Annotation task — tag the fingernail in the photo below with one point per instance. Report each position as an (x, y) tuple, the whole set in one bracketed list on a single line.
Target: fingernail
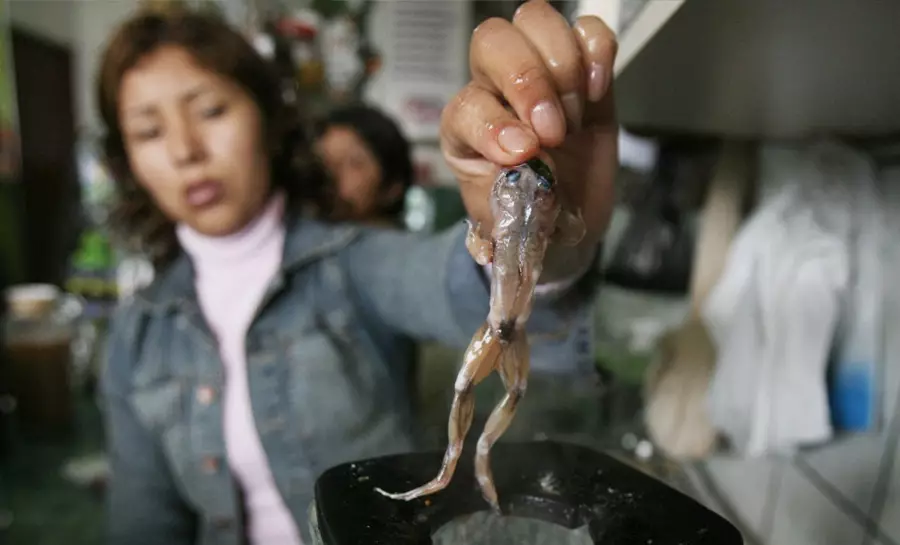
[(596, 82), (514, 140), (548, 121), (572, 105)]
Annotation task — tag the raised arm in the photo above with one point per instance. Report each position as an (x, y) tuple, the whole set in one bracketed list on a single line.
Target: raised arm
[(539, 86), (429, 287)]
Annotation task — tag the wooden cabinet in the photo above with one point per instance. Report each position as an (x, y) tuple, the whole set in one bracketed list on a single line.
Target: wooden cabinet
[(49, 187)]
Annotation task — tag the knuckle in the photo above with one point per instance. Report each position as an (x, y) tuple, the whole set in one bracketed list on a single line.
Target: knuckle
[(528, 80), (523, 11), (595, 30), (453, 105), (536, 9), (445, 144), (467, 95), (591, 21), (613, 46), (568, 73), (448, 115), (483, 31), (468, 117), (458, 103)]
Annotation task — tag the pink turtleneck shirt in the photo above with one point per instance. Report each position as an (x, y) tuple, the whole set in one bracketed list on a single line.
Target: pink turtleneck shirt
[(232, 274)]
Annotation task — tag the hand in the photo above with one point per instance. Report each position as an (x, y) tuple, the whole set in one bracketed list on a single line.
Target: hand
[(539, 86)]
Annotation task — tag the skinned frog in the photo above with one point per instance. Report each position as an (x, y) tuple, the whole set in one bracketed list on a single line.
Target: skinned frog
[(527, 217)]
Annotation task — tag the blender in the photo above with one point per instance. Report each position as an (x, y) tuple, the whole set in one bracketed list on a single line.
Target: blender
[(571, 486)]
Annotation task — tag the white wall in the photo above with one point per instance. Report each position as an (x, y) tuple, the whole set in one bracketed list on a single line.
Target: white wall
[(378, 92), (83, 25), (86, 25), (95, 20), (50, 19)]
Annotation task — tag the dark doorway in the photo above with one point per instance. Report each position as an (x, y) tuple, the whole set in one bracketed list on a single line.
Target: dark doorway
[(43, 74)]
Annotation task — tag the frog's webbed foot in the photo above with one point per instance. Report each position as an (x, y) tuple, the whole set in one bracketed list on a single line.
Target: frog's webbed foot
[(480, 359), (513, 367), (570, 228), (481, 249)]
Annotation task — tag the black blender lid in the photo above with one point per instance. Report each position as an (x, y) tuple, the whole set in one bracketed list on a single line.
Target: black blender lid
[(565, 484)]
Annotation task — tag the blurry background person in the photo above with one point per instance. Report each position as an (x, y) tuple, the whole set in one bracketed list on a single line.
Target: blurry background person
[(370, 165), (369, 162)]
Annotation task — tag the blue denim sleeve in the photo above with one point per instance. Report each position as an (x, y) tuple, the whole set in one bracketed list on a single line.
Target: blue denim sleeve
[(430, 288), (143, 505)]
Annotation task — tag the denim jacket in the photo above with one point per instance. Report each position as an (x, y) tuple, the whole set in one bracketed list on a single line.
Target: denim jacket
[(321, 355)]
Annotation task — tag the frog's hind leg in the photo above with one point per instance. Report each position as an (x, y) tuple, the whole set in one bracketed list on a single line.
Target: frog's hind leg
[(480, 360), (513, 367)]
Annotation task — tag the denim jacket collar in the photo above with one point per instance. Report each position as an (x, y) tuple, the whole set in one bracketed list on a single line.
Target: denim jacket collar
[(305, 241)]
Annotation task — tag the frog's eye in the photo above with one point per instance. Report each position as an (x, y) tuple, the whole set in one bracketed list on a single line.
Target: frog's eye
[(512, 177), (544, 183), (542, 170)]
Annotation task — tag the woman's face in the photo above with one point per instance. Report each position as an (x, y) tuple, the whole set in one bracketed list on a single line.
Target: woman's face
[(355, 171), (195, 142)]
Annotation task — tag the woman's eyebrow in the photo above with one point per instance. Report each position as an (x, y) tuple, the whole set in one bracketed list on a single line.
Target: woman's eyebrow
[(143, 110), (196, 92)]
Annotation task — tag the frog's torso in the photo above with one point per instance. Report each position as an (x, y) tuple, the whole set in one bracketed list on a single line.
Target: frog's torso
[(525, 209)]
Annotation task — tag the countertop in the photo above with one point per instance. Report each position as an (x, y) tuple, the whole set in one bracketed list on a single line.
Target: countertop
[(47, 508), (597, 411)]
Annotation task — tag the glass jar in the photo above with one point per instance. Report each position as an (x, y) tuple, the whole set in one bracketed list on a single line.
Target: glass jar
[(39, 340)]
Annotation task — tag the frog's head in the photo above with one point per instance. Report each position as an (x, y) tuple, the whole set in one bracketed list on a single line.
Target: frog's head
[(529, 184), (534, 172), (545, 179)]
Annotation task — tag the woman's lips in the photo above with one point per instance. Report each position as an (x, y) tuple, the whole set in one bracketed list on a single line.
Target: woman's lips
[(205, 193)]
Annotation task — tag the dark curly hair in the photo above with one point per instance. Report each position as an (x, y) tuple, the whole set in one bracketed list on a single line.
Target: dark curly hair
[(385, 140), (134, 217)]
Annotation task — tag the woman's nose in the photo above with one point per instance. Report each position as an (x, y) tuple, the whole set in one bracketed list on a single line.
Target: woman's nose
[(185, 146)]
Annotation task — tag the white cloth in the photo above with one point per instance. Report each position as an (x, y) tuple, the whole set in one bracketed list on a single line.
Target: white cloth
[(774, 313)]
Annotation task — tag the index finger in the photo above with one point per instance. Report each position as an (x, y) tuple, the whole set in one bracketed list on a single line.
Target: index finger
[(504, 61)]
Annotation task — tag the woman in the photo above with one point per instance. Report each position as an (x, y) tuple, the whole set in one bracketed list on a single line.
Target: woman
[(370, 164), (262, 352)]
